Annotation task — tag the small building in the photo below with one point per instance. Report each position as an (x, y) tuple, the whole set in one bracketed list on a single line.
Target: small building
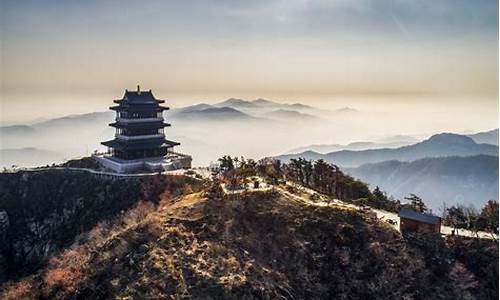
[(412, 221), (140, 143)]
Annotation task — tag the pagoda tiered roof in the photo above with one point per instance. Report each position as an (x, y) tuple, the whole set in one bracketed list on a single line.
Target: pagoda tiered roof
[(139, 97), (129, 107), (143, 124), (140, 114), (140, 144)]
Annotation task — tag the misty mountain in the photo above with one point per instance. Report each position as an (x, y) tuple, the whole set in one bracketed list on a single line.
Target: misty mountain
[(465, 180), (212, 114), (346, 110), (487, 137), (243, 110), (94, 118), (264, 102), (439, 145), (16, 136), (28, 157), (327, 148), (237, 103), (261, 106), (17, 129), (402, 139), (205, 131), (191, 108), (290, 115)]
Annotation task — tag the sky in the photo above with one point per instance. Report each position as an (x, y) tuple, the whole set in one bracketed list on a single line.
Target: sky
[(66, 57)]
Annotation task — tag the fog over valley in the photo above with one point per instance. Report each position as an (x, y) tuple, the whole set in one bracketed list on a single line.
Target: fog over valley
[(254, 129)]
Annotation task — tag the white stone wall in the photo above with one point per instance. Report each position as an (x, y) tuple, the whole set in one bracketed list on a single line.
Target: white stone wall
[(170, 163)]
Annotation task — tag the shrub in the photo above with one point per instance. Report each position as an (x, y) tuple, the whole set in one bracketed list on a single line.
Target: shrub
[(22, 290), (138, 213), (65, 271)]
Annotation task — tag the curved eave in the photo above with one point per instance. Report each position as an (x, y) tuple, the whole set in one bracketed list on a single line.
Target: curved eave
[(140, 125), (123, 101), (122, 107), (139, 145), (172, 143)]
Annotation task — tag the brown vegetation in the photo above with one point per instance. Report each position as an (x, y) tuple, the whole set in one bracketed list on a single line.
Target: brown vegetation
[(42, 213), (257, 246)]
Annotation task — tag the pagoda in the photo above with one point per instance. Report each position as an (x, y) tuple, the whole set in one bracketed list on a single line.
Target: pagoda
[(139, 141)]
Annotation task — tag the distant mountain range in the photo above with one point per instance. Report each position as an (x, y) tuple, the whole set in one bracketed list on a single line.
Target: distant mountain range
[(346, 110), (234, 126), (244, 110), (229, 110), (470, 180), (76, 121), (290, 115), (390, 142), (212, 114), (263, 105), (17, 129), (239, 127), (439, 145), (487, 137)]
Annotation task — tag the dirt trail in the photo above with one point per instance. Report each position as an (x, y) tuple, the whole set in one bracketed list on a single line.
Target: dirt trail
[(381, 214)]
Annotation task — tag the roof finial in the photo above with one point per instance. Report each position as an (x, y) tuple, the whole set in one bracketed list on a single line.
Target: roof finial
[(138, 89)]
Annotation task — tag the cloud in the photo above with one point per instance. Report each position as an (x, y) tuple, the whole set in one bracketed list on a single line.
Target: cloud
[(314, 46)]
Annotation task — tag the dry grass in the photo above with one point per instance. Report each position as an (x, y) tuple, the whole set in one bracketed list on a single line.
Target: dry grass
[(66, 270), (22, 290), (260, 245)]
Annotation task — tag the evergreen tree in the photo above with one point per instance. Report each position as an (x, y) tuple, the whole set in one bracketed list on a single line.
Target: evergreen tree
[(416, 203)]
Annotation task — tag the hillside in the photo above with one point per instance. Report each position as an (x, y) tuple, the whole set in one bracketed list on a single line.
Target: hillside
[(439, 145), (42, 212), (465, 180), (262, 246)]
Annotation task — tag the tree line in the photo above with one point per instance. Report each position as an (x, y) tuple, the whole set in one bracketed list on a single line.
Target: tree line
[(329, 180), (460, 216)]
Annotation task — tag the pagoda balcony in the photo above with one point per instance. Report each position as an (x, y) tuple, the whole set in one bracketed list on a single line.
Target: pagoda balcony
[(137, 120), (139, 137)]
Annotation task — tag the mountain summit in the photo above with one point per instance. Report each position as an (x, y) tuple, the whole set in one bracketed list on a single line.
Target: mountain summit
[(439, 145), (449, 139)]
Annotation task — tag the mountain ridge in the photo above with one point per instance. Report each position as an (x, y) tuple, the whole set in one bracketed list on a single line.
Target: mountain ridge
[(487, 137), (444, 144), (469, 180)]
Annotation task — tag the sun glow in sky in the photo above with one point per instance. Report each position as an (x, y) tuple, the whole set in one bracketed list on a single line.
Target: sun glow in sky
[(62, 57)]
